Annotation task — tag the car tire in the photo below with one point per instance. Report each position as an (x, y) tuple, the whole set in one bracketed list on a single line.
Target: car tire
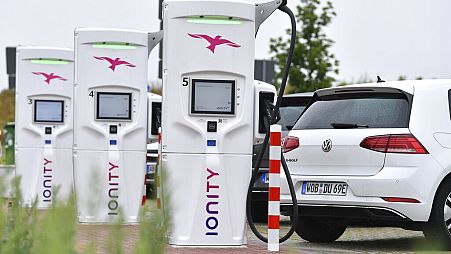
[(319, 230), (259, 212), (437, 229)]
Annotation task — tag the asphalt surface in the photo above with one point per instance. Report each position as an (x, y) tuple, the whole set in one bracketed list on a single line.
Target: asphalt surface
[(354, 240)]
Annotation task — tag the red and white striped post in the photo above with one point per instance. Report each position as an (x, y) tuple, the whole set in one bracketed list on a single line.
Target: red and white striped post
[(143, 201), (158, 171), (275, 154)]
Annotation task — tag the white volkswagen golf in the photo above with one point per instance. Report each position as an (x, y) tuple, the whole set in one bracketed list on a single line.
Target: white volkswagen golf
[(373, 155)]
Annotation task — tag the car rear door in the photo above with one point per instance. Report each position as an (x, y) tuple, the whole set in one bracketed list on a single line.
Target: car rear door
[(332, 128)]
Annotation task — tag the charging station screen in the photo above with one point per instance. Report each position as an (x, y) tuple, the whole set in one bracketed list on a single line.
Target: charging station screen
[(213, 97), (114, 106), (48, 111)]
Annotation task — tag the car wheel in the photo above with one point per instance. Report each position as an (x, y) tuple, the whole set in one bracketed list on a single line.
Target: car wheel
[(260, 212), (319, 230), (439, 226)]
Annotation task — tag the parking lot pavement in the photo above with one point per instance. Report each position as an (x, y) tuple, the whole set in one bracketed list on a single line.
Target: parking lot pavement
[(97, 237), (366, 240), (357, 240), (354, 240)]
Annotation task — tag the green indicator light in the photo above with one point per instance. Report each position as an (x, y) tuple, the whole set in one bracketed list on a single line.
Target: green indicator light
[(113, 46), (214, 20), (49, 61)]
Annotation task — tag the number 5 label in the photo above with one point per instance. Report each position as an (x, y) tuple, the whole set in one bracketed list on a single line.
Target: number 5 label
[(185, 81)]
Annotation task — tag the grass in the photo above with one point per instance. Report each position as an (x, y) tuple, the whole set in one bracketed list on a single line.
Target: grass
[(17, 224), (25, 230), (152, 232)]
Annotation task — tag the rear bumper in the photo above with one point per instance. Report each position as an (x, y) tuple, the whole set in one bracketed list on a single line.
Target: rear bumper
[(416, 182), (357, 216)]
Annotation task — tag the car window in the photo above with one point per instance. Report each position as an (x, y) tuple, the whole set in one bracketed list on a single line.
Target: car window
[(289, 115), (372, 110)]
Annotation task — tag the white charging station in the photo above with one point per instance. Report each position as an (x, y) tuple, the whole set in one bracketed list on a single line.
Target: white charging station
[(208, 117), (44, 123), (110, 129), (154, 117)]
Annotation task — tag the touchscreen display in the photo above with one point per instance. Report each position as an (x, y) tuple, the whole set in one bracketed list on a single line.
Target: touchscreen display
[(48, 111), (213, 97), (114, 106)]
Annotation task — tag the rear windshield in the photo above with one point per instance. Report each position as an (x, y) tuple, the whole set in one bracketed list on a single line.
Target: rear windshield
[(365, 110)]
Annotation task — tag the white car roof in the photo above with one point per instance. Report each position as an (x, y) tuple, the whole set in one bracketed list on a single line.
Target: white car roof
[(409, 86)]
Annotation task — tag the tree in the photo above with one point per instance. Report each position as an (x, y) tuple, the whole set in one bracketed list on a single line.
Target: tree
[(402, 77), (313, 64), (7, 105)]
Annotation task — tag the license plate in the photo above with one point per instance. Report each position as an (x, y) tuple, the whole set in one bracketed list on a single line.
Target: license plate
[(324, 188), (265, 178), (147, 169)]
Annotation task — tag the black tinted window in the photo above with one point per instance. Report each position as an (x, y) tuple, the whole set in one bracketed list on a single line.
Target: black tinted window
[(290, 110), (366, 110), (289, 115)]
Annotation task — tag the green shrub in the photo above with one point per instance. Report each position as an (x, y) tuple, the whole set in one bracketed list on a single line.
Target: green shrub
[(25, 230), (18, 224), (152, 232), (57, 228)]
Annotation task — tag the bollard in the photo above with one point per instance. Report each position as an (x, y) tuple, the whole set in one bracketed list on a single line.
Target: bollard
[(274, 188), (143, 201)]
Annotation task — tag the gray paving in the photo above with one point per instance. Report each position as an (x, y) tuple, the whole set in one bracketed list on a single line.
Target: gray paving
[(354, 240)]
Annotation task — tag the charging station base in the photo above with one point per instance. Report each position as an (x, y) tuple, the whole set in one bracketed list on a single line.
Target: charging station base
[(207, 204), (109, 185), (41, 175)]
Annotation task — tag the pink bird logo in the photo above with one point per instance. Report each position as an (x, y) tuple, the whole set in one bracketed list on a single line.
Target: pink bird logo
[(115, 62), (215, 41), (49, 77)]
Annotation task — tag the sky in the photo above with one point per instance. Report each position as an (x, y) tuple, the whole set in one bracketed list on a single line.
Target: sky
[(372, 37)]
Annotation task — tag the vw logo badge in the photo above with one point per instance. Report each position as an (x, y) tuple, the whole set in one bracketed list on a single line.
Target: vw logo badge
[(327, 145)]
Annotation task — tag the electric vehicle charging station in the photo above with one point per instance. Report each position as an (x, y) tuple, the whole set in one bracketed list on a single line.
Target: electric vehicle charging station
[(44, 123), (208, 119), (110, 130), (154, 116)]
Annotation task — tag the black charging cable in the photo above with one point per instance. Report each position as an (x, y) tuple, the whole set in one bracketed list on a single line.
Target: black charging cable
[(273, 119)]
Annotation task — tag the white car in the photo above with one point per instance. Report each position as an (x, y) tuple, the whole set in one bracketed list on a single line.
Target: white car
[(373, 155)]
